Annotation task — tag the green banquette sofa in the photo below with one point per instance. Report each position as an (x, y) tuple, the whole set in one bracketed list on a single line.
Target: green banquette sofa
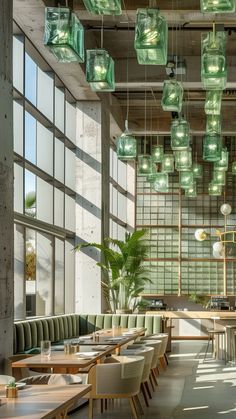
[(29, 333)]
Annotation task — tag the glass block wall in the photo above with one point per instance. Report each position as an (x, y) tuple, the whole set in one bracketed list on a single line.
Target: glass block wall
[(179, 264)]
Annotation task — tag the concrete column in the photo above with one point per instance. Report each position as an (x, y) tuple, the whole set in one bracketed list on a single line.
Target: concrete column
[(6, 184), (92, 200)]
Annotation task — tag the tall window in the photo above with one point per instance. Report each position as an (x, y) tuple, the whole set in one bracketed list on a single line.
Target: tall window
[(44, 194)]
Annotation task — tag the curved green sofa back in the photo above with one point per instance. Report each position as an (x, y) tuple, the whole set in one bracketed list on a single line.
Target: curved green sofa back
[(29, 333)]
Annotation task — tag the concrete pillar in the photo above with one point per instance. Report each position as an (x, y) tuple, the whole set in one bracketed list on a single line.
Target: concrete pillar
[(6, 184), (92, 200)]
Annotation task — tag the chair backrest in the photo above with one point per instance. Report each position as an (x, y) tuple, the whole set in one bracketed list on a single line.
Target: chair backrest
[(159, 336), (147, 353), (120, 379), (6, 379), (157, 345)]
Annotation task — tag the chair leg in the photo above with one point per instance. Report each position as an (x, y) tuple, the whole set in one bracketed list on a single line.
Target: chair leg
[(148, 389), (144, 394), (105, 404), (90, 408), (151, 381), (162, 363), (138, 403), (166, 359), (154, 377), (207, 347), (133, 407), (101, 401)]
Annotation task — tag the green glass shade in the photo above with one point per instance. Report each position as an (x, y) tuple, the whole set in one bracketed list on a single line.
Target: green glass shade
[(223, 163), (151, 34), (152, 175), (161, 183), (192, 191), (214, 189), (183, 160), (217, 6), (213, 102), (213, 124), (126, 147), (145, 165), (234, 168), (180, 134), (213, 62), (212, 147), (157, 153), (167, 165), (172, 97), (100, 70), (197, 170), (64, 34), (186, 179), (218, 177), (103, 7)]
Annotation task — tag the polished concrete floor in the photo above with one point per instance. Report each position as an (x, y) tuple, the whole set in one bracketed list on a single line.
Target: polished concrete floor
[(188, 388)]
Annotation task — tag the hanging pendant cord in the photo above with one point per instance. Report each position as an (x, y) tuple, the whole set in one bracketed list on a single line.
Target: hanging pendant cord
[(145, 109), (102, 34), (127, 72)]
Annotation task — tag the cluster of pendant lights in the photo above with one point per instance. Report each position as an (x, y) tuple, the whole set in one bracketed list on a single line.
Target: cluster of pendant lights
[(64, 35)]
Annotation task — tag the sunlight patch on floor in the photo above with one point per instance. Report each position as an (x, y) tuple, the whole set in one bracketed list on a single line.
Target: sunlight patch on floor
[(195, 408)]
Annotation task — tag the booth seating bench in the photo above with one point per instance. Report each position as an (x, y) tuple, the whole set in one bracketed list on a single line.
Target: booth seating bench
[(29, 333)]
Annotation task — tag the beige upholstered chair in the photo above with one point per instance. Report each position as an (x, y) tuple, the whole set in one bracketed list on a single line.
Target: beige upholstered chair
[(117, 380), (157, 345), (164, 338), (148, 354)]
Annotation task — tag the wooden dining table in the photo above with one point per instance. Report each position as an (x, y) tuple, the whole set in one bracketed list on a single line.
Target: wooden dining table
[(98, 347), (42, 401)]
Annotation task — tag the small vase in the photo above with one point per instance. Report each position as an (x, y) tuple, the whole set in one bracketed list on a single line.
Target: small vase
[(11, 392)]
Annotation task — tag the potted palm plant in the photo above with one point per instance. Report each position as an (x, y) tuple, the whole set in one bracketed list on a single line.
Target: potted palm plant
[(124, 273)]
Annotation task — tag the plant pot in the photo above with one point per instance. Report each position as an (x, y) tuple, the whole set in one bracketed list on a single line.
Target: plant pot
[(123, 311), (11, 392)]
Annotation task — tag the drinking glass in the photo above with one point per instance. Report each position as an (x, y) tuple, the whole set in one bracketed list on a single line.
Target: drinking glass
[(46, 348)]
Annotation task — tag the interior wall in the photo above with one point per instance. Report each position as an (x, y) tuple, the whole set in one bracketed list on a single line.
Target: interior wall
[(178, 263)]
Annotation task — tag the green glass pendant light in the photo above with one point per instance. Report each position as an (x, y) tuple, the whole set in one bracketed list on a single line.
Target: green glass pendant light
[(218, 177), (161, 183), (214, 190), (186, 179), (145, 165), (180, 134), (64, 34), (151, 177), (212, 147), (213, 102), (183, 160), (213, 124), (197, 170), (218, 6), (213, 62), (157, 153), (167, 164), (126, 147), (100, 70), (192, 191), (172, 97), (151, 34), (234, 168), (223, 163), (103, 7)]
